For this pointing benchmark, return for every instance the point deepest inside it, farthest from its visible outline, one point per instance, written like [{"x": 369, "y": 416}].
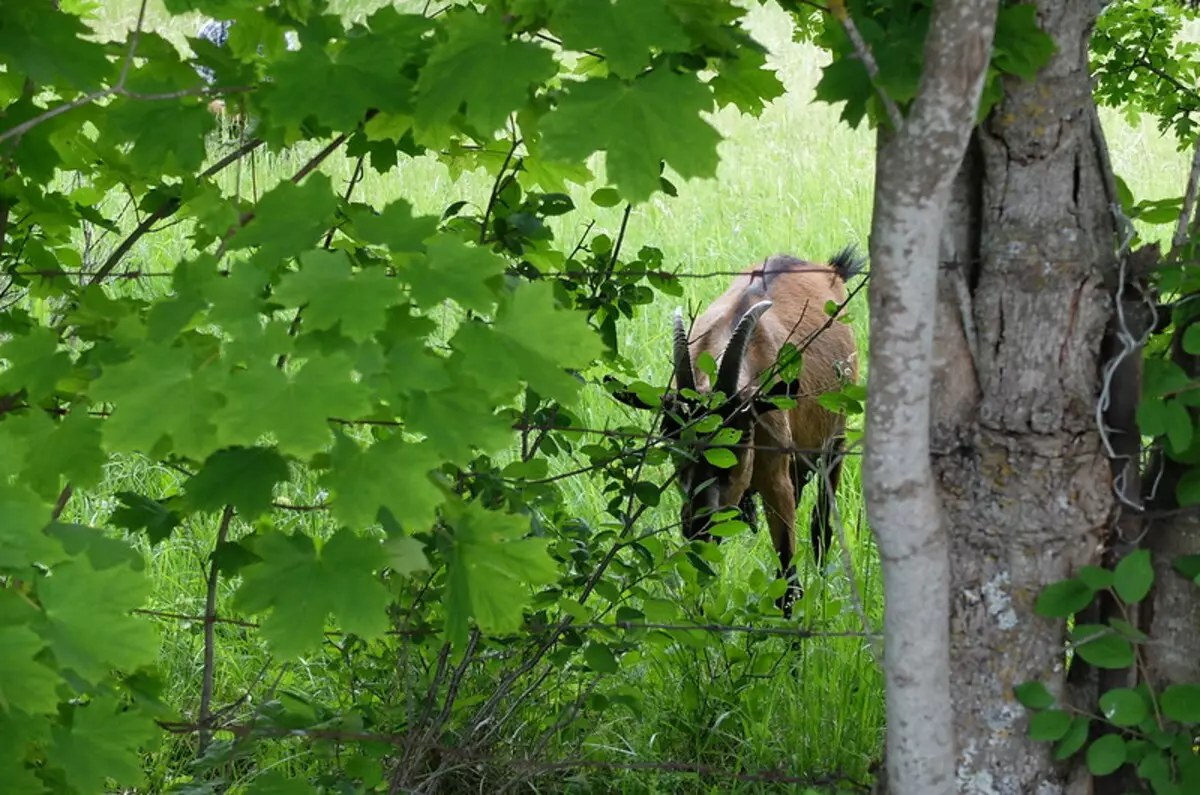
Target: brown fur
[{"x": 799, "y": 292}]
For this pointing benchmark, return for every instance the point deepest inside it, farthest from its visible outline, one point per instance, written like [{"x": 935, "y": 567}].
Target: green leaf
[
  {"x": 479, "y": 66},
  {"x": 1106, "y": 754},
  {"x": 51, "y": 48},
  {"x": 396, "y": 227},
  {"x": 273, "y": 782},
  {"x": 1191, "y": 339},
  {"x": 1123, "y": 707},
  {"x": 34, "y": 364},
  {"x": 1187, "y": 491},
  {"x": 1133, "y": 576},
  {"x": 1050, "y": 724},
  {"x": 391, "y": 474},
  {"x": 625, "y": 31},
  {"x": 138, "y": 513},
  {"x": 1021, "y": 46},
  {"x": 1188, "y": 566},
  {"x": 1074, "y": 739},
  {"x": 302, "y": 404},
  {"x": 606, "y": 197},
  {"x": 25, "y": 684},
  {"x": 600, "y": 658},
  {"x": 406, "y": 555},
  {"x": 1033, "y": 694},
  {"x": 158, "y": 375},
  {"x": 22, "y": 541},
  {"x": 1063, "y": 598},
  {"x": 71, "y": 450},
  {"x": 456, "y": 422},
  {"x": 1179, "y": 425},
  {"x": 746, "y": 83},
  {"x": 490, "y": 570},
  {"x": 531, "y": 341},
  {"x": 457, "y": 271},
  {"x": 1095, "y": 577},
  {"x": 288, "y": 219},
  {"x": 244, "y": 477},
  {"x": 1181, "y": 703},
  {"x": 168, "y": 137},
  {"x": 335, "y": 297},
  {"x": 102, "y": 743},
  {"x": 720, "y": 457},
  {"x": 301, "y": 587},
  {"x": 654, "y": 118},
  {"x": 728, "y": 529},
  {"x": 1106, "y": 650},
  {"x": 88, "y": 623}
]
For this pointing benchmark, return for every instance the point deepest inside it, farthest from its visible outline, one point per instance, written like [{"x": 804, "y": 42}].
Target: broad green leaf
[
  {"x": 71, "y": 450},
  {"x": 1181, "y": 703},
  {"x": 405, "y": 555},
  {"x": 457, "y": 271},
  {"x": 1188, "y": 566},
  {"x": 1123, "y": 707},
  {"x": 168, "y": 137},
  {"x": 87, "y": 619},
  {"x": 34, "y": 364},
  {"x": 1074, "y": 739},
  {"x": 391, "y": 474},
  {"x": 158, "y": 375},
  {"x": 1191, "y": 339},
  {"x": 1095, "y": 577},
  {"x": 333, "y": 296},
  {"x": 102, "y": 743},
  {"x": 1106, "y": 649},
  {"x": 600, "y": 658},
  {"x": 720, "y": 457},
  {"x": 1133, "y": 576},
  {"x": 1179, "y": 425},
  {"x": 1187, "y": 491},
  {"x": 1063, "y": 598},
  {"x": 51, "y": 48},
  {"x": 396, "y": 227},
  {"x": 102, "y": 550},
  {"x": 531, "y": 341},
  {"x": 1050, "y": 724},
  {"x": 490, "y": 570},
  {"x": 25, "y": 683},
  {"x": 456, "y": 422},
  {"x": 728, "y": 529},
  {"x": 302, "y": 404},
  {"x": 272, "y": 782},
  {"x": 288, "y": 219},
  {"x": 480, "y": 66},
  {"x": 1033, "y": 694},
  {"x": 638, "y": 124},
  {"x": 745, "y": 82},
  {"x": 244, "y": 477},
  {"x": 139, "y": 513},
  {"x": 301, "y": 587},
  {"x": 625, "y": 31},
  {"x": 1022, "y": 48},
  {"x": 1106, "y": 754},
  {"x": 22, "y": 541}
]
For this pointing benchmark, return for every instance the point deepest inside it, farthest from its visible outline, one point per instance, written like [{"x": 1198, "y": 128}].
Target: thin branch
[
  {"x": 838, "y": 9},
  {"x": 210, "y": 642},
  {"x": 1189, "y": 202}
]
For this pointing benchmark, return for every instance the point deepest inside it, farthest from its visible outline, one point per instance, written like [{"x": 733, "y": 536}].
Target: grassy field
[{"x": 795, "y": 180}]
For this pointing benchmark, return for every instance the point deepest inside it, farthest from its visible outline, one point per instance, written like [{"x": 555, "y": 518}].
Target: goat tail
[{"x": 848, "y": 262}]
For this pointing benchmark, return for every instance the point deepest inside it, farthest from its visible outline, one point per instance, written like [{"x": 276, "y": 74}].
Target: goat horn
[
  {"x": 735, "y": 350},
  {"x": 684, "y": 377}
]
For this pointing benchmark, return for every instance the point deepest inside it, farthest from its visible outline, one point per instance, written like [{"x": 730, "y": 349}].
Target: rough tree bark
[
  {"x": 1024, "y": 482},
  {"x": 915, "y": 167}
]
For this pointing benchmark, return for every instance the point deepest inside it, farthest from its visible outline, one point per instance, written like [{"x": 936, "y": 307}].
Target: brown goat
[{"x": 780, "y": 301}]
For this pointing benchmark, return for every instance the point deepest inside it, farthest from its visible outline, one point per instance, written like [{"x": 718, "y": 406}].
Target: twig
[
  {"x": 838, "y": 9},
  {"x": 1189, "y": 203},
  {"x": 210, "y": 643}
]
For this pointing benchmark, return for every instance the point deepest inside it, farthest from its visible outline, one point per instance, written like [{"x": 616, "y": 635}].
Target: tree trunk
[
  {"x": 914, "y": 171},
  {"x": 1025, "y": 484}
]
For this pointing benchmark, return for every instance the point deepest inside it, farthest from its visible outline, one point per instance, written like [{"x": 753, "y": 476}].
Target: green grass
[{"x": 795, "y": 180}]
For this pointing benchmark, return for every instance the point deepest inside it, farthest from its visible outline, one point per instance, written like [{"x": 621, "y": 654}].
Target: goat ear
[{"x": 627, "y": 396}]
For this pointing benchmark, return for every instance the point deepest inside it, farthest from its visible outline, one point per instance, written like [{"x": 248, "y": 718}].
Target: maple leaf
[
  {"x": 531, "y": 341},
  {"x": 480, "y": 66},
  {"x": 25, "y": 683},
  {"x": 639, "y": 124},
  {"x": 288, "y": 219},
  {"x": 745, "y": 82},
  {"x": 168, "y": 137},
  {"x": 51, "y": 48},
  {"x": 456, "y": 421},
  {"x": 34, "y": 363},
  {"x": 88, "y": 622},
  {"x": 22, "y": 541},
  {"x": 158, "y": 376},
  {"x": 395, "y": 227},
  {"x": 346, "y": 90},
  {"x": 102, "y": 743},
  {"x": 294, "y": 409},
  {"x": 334, "y": 296},
  {"x": 458, "y": 271},
  {"x": 102, "y": 551},
  {"x": 490, "y": 568},
  {"x": 624, "y": 31},
  {"x": 275, "y": 783},
  {"x": 19, "y": 731},
  {"x": 391, "y": 474},
  {"x": 301, "y": 587},
  {"x": 138, "y": 513},
  {"x": 70, "y": 449},
  {"x": 244, "y": 477}
]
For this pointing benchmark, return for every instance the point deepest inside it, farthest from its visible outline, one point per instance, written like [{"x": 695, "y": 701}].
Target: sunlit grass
[{"x": 794, "y": 180}]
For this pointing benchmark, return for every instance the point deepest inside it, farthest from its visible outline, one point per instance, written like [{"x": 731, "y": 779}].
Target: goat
[{"x": 780, "y": 301}]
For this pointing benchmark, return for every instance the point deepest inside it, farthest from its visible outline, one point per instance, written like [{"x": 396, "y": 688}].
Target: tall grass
[{"x": 795, "y": 180}]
